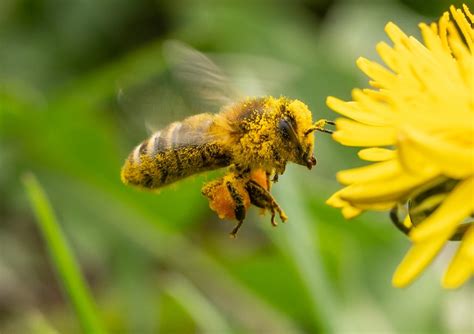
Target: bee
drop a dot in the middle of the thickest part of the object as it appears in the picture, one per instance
(254, 138)
(423, 204)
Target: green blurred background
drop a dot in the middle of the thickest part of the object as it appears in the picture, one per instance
(163, 263)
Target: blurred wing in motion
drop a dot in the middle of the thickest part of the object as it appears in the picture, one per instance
(195, 84)
(212, 81)
(152, 102)
(256, 75)
(204, 84)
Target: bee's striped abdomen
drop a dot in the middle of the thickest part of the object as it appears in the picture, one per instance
(178, 151)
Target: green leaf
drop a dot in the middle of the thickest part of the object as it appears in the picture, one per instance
(62, 257)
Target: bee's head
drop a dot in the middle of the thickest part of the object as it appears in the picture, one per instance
(296, 129)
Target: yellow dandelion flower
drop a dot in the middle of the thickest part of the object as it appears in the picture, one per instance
(416, 124)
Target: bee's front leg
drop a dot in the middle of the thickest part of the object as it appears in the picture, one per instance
(279, 170)
(275, 177)
(261, 198)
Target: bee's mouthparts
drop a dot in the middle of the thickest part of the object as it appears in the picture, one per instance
(311, 162)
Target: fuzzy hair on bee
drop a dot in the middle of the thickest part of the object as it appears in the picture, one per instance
(254, 138)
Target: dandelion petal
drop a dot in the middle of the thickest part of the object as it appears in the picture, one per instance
(379, 171)
(415, 261)
(462, 266)
(352, 110)
(376, 154)
(352, 133)
(453, 159)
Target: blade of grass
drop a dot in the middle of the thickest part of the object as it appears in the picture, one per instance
(63, 258)
(207, 317)
(38, 324)
(300, 245)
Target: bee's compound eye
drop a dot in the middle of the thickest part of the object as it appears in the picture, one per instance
(285, 129)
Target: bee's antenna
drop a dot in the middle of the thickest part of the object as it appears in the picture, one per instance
(326, 131)
(320, 126)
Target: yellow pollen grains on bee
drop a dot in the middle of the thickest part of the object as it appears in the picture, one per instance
(254, 138)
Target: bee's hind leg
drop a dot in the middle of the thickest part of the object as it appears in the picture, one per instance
(233, 234)
(261, 198)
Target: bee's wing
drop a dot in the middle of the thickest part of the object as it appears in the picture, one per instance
(210, 83)
(195, 84)
(191, 84)
(254, 75)
(152, 103)
(210, 88)
(205, 86)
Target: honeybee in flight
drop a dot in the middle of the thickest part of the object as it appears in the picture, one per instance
(254, 138)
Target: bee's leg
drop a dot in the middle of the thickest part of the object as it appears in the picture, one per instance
(278, 171)
(275, 177)
(397, 222)
(457, 236)
(233, 234)
(239, 209)
(268, 180)
(261, 198)
(321, 124)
